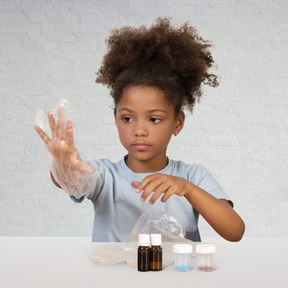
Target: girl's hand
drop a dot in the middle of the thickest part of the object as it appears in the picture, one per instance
(161, 183)
(61, 144)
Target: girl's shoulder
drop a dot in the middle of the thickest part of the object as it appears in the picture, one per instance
(181, 165)
(105, 164)
(192, 172)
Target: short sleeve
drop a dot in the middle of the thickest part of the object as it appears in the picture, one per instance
(207, 182)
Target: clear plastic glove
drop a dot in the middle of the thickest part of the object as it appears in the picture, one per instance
(115, 254)
(151, 221)
(74, 175)
(157, 221)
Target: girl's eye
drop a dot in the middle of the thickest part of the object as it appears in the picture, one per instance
(155, 120)
(127, 119)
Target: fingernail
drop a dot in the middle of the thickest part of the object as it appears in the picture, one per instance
(150, 202)
(142, 199)
(137, 190)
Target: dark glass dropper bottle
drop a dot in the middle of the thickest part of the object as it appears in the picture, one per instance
(156, 253)
(144, 252)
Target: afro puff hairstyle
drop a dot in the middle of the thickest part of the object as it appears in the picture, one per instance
(174, 60)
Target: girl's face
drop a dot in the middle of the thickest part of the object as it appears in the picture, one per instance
(146, 122)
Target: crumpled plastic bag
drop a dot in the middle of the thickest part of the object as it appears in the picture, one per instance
(151, 221)
(72, 172)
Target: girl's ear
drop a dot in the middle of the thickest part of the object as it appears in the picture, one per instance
(180, 119)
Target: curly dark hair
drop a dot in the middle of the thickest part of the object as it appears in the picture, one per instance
(175, 60)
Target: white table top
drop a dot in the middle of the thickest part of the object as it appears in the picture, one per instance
(64, 262)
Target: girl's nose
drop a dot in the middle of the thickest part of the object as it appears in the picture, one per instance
(141, 130)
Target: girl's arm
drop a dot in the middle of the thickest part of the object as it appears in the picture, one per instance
(217, 212)
(54, 181)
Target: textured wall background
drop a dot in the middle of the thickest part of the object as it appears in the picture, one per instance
(52, 49)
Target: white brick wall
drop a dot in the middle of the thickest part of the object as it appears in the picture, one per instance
(52, 49)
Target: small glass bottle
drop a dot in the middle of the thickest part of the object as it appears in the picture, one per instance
(156, 253)
(143, 252)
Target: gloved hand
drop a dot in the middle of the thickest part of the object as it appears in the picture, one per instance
(75, 176)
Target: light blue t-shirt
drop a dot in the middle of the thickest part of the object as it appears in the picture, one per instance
(118, 207)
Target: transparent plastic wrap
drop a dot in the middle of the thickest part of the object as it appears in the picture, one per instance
(151, 221)
(74, 174)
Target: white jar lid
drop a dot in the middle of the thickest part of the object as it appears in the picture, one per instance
(144, 240)
(182, 248)
(205, 248)
(156, 239)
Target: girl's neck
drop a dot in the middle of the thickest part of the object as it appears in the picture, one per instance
(148, 166)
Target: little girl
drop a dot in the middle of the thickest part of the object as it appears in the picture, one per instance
(153, 74)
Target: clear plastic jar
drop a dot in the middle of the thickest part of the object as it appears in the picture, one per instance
(182, 256)
(205, 257)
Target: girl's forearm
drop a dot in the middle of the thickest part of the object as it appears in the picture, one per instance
(217, 212)
(74, 182)
(54, 181)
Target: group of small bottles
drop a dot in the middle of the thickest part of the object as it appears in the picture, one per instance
(150, 255)
(149, 252)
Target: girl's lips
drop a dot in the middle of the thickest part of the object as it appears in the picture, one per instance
(141, 147)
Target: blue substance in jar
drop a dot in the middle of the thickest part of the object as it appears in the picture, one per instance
(183, 268)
